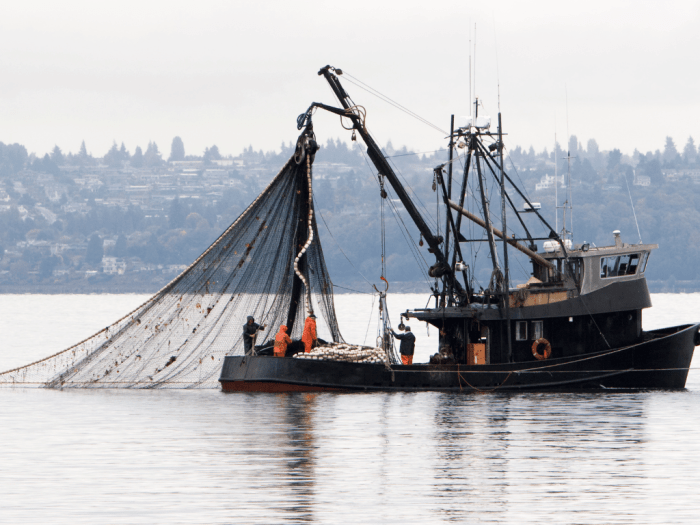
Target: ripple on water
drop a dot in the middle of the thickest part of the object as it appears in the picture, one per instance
(77, 457)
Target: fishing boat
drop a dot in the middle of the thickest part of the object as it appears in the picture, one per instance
(575, 324)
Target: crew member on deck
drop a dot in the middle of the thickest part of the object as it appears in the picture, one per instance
(309, 335)
(281, 342)
(408, 345)
(250, 331)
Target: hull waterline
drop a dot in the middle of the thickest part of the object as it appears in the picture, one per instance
(660, 362)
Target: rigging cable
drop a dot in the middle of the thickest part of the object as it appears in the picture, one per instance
(469, 225)
(411, 244)
(388, 100)
(371, 309)
(428, 216)
(475, 250)
(351, 289)
(406, 234)
(397, 215)
(318, 211)
(517, 174)
(357, 82)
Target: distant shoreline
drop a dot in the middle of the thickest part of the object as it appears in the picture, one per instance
(86, 287)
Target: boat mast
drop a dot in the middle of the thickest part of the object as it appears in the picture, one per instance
(458, 226)
(306, 148)
(493, 286)
(568, 201)
(494, 162)
(567, 205)
(441, 268)
(506, 277)
(476, 152)
(447, 289)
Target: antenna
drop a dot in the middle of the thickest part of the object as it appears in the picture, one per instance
(569, 198)
(633, 212)
(470, 71)
(475, 64)
(498, 75)
(556, 179)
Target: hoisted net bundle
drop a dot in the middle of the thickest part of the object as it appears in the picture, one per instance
(347, 353)
(178, 338)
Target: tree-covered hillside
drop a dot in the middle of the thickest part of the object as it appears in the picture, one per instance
(131, 221)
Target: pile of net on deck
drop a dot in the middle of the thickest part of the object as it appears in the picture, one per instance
(267, 264)
(347, 353)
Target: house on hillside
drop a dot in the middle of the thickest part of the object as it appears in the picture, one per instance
(641, 180)
(113, 265)
(547, 181)
(675, 175)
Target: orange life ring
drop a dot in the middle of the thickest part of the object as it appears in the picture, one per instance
(545, 353)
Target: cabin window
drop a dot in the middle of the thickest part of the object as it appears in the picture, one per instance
(576, 268)
(537, 330)
(619, 266)
(521, 330)
(645, 258)
(608, 266)
(560, 269)
(632, 265)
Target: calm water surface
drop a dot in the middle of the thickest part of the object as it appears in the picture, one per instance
(116, 457)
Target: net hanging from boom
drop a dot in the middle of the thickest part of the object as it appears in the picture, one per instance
(268, 264)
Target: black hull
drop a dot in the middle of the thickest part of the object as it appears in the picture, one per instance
(661, 362)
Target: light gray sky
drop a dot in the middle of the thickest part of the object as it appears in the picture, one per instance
(237, 73)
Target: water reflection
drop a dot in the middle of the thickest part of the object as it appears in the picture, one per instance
(498, 453)
(188, 457)
(471, 461)
(299, 411)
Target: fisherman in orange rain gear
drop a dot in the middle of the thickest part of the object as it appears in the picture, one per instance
(309, 335)
(281, 342)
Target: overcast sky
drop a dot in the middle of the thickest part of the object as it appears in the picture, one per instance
(237, 73)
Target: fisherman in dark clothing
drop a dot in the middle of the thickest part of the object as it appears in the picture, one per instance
(408, 345)
(250, 330)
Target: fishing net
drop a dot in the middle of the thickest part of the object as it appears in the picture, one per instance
(268, 264)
